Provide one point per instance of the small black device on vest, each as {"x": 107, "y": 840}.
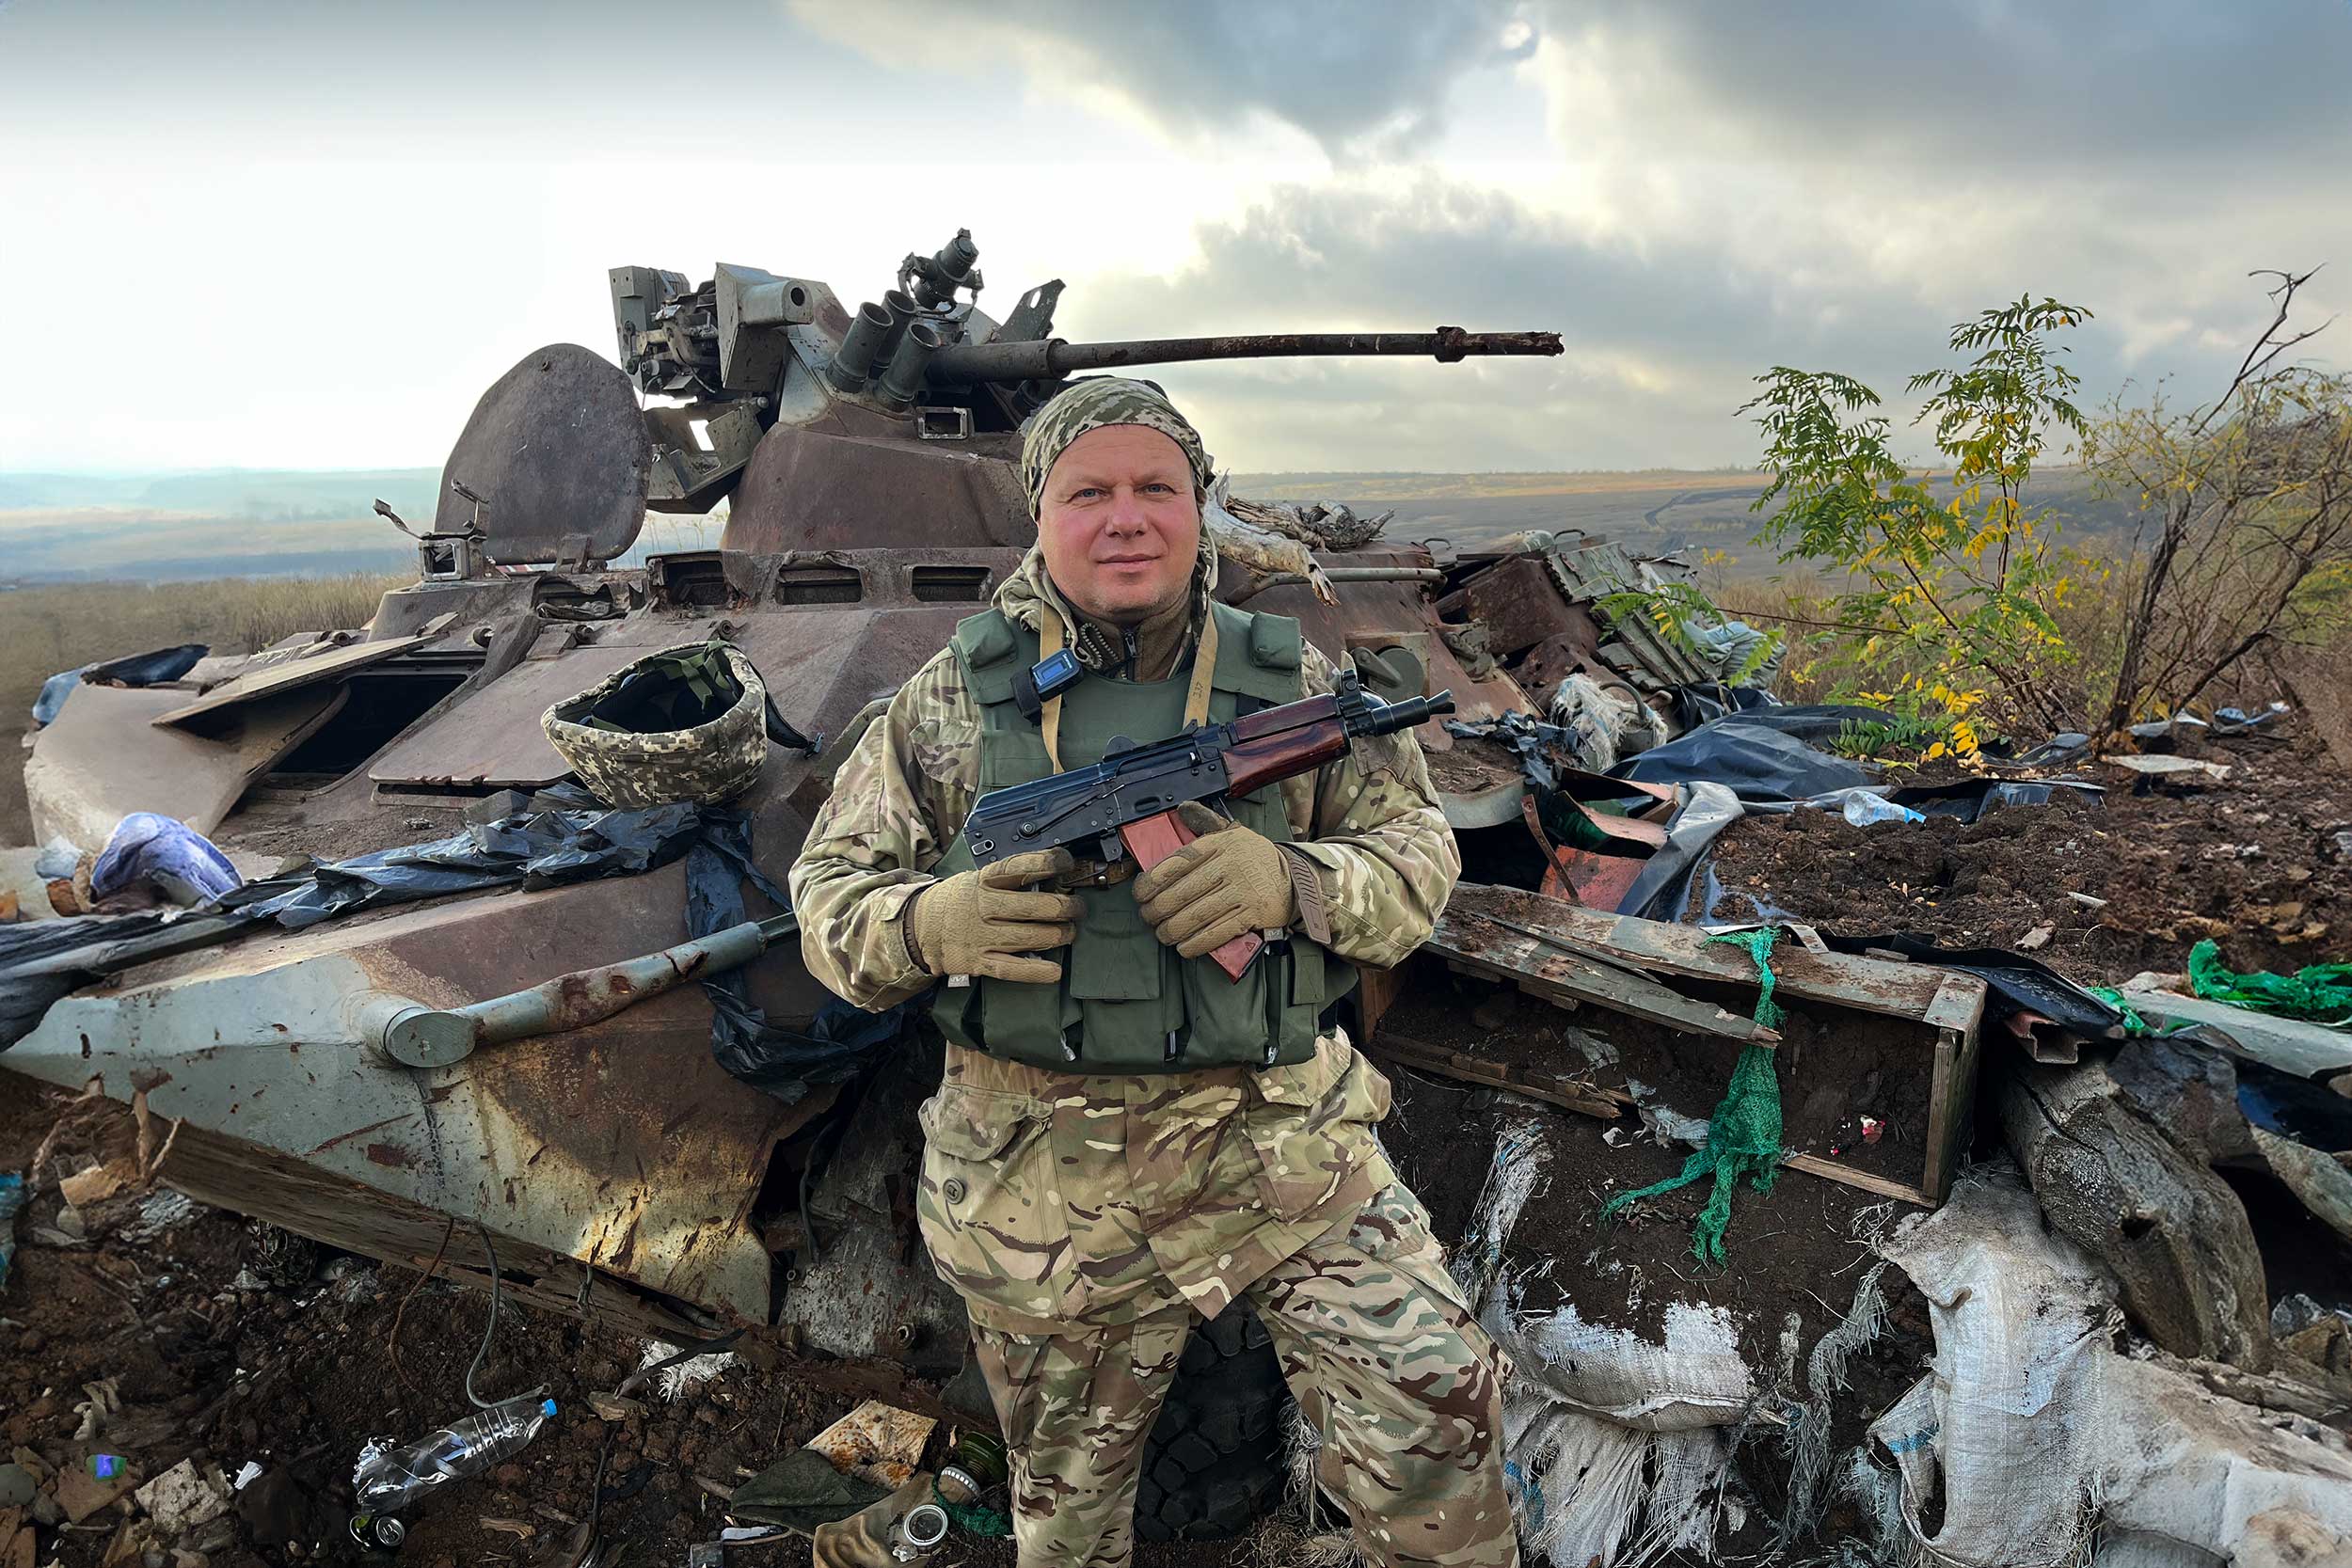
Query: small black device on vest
{"x": 1048, "y": 678}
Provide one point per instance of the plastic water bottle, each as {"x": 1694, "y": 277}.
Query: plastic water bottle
{"x": 389, "y": 1479}
{"x": 1863, "y": 808}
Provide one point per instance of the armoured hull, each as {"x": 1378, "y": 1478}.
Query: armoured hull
{"x": 871, "y": 459}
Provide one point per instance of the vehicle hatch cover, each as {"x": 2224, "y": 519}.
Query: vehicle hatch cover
{"x": 558, "y": 452}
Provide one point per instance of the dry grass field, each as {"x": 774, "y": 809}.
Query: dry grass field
{"x": 46, "y": 629}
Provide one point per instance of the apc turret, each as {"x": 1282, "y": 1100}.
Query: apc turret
{"x": 917, "y": 380}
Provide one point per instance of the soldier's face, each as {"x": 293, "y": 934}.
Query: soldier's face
{"x": 1118, "y": 526}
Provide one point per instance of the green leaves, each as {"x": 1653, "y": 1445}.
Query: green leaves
{"x": 1953, "y": 588}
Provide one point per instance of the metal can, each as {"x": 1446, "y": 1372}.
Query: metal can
{"x": 379, "y": 1532}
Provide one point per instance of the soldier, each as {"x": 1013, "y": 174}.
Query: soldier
{"x": 1123, "y": 1137}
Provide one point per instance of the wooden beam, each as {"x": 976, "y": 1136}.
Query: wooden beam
{"x": 1906, "y": 990}
{"x": 1556, "y": 970}
{"x": 1561, "y": 1089}
{"x": 1812, "y": 1164}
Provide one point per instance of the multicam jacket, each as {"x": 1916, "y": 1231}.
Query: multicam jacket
{"x": 1048, "y": 1196}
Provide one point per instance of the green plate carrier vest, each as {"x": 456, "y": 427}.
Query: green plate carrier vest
{"x": 1126, "y": 1002}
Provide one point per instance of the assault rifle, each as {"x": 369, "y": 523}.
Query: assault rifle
{"x": 1126, "y": 804}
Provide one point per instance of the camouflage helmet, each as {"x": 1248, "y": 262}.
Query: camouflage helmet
{"x": 707, "y": 764}
{"x": 1091, "y": 404}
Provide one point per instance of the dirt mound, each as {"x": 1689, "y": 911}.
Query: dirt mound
{"x": 2254, "y": 860}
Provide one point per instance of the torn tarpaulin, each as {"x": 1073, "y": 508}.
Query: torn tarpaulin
{"x": 1760, "y": 754}
{"x": 42, "y": 960}
{"x": 536, "y": 850}
{"x": 2016, "y": 985}
{"x": 839, "y": 1042}
{"x": 147, "y": 669}
{"x": 180, "y": 862}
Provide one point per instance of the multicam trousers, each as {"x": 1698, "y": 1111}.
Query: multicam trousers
{"x": 1379, "y": 1346}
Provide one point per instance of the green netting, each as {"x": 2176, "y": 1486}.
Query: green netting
{"x": 1743, "y": 1135}
{"x": 2318, "y": 994}
{"x": 973, "y": 1518}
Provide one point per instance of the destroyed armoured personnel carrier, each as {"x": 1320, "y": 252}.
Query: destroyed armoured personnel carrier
{"x": 868, "y": 459}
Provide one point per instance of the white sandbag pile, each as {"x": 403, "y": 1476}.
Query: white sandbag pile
{"x": 2042, "y": 1445}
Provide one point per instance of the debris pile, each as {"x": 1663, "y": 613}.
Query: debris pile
{"x": 2101, "y": 1312}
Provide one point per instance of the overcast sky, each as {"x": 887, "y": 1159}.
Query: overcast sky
{"x": 247, "y": 233}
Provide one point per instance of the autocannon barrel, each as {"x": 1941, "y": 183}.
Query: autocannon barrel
{"x": 1051, "y": 358}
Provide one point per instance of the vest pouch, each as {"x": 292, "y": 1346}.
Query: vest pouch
{"x": 1041, "y": 1017}
{"x": 1230, "y": 1018}
{"x": 1122, "y": 980}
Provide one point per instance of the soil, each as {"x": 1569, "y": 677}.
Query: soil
{"x": 298, "y": 1375}
{"x": 2254, "y": 861}
{"x": 1805, "y": 1235}
{"x": 1471, "y": 767}
{"x": 1797, "y": 1252}
{"x": 1837, "y": 1067}
{"x": 16, "y": 817}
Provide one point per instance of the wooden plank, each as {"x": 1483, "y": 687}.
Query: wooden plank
{"x": 1830, "y": 1170}
{"x": 1868, "y": 985}
{"x": 1572, "y": 956}
{"x": 1562, "y": 1090}
{"x": 1554, "y": 971}
{"x": 332, "y": 665}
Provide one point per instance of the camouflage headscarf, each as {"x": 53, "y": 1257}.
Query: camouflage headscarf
{"x": 1091, "y": 404}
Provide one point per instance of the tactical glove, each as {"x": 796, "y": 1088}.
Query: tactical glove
{"x": 1226, "y": 881}
{"x": 986, "y": 922}
{"x": 876, "y": 1537}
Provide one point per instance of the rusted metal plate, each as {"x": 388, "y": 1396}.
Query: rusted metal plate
{"x": 559, "y": 453}
{"x": 1368, "y": 610}
{"x": 622, "y": 1144}
{"x": 1522, "y": 605}
{"x": 105, "y": 757}
{"x": 852, "y": 481}
{"x": 317, "y": 669}
{"x": 273, "y": 1185}
{"x": 1596, "y": 882}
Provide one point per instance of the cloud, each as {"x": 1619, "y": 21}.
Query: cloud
{"x": 2004, "y": 84}
{"x": 1663, "y": 336}
{"x": 1661, "y": 339}
{"x": 1364, "y": 78}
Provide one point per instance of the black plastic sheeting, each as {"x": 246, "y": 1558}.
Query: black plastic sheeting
{"x": 840, "y": 1042}
{"x": 540, "y": 848}
{"x": 39, "y": 961}
{"x": 1705, "y": 702}
{"x": 1970, "y": 799}
{"x": 1760, "y": 754}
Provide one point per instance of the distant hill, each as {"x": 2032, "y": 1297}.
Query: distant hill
{"x": 292, "y": 522}
{"x": 1653, "y": 511}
